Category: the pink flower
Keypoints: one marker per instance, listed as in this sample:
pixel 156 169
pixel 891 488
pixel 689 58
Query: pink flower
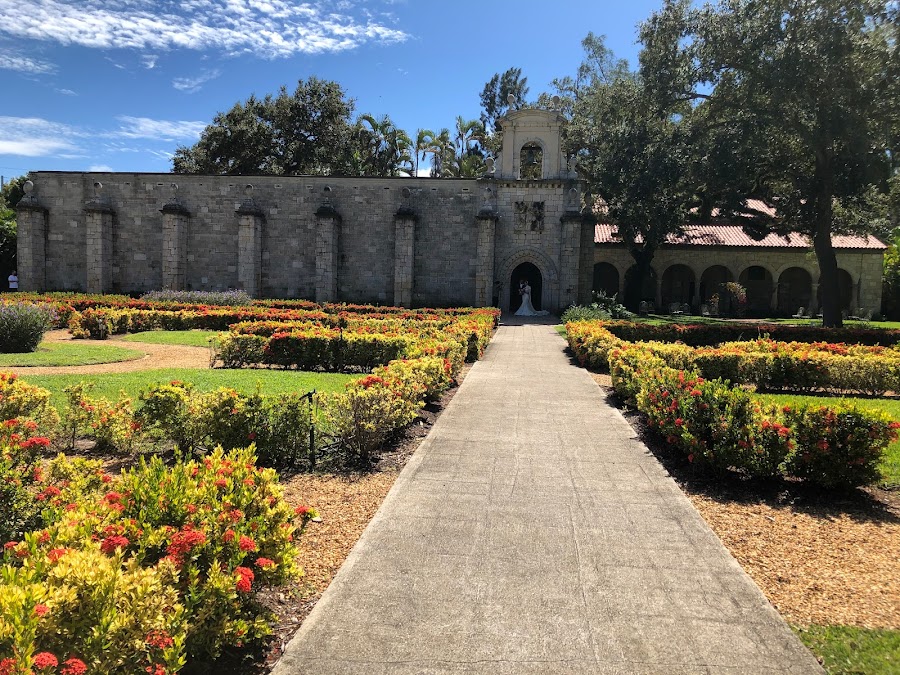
pixel 40 609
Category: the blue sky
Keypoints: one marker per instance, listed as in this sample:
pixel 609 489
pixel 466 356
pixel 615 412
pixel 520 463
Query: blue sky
pixel 118 84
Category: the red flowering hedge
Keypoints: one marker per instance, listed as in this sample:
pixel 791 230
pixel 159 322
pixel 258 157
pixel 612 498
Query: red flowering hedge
pixel 146 571
pixel 723 427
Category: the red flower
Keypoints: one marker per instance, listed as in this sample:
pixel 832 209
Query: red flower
pixel 251 436
pixel 112 498
pixel 245 580
pixel 110 544
pixel 37 441
pixel 264 563
pixel 45 660
pixel 40 609
pixel 696 392
pixel 679 422
pixel 156 669
pixel 228 536
pixel 7 665
pixel 221 483
pixel 159 639
pixel 54 554
pixel 691 457
pixel 190 508
pixel 74 666
pixel 246 543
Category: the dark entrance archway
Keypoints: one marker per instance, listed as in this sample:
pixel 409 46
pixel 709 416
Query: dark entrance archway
pixel 532 274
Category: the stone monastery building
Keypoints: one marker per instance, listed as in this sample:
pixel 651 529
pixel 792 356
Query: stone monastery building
pixel 403 241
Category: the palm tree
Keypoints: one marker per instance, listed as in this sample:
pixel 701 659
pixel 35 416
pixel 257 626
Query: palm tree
pixel 425 143
pixel 469 158
pixel 385 149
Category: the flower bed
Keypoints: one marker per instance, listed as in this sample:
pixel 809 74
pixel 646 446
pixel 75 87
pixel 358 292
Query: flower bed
pixel 765 363
pixel 717 425
pixel 143 572
pixel 698 335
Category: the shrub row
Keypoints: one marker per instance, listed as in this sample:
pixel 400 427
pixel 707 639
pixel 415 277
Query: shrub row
pixel 699 335
pixel 146 571
pixel 765 363
pixel 725 428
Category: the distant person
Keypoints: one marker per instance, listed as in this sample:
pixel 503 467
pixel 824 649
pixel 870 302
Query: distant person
pixel 13 282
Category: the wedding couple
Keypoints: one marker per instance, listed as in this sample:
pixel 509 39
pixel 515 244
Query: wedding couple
pixel 526 308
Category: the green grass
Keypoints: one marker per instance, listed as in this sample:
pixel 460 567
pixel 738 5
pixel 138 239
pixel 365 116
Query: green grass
pixel 69 354
pixel 845 650
pixel 191 338
pixel 272 382
pixel 890 461
pixel 561 329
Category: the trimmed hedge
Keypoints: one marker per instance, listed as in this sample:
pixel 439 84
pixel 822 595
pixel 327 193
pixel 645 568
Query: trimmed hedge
pixel 765 363
pixel 707 335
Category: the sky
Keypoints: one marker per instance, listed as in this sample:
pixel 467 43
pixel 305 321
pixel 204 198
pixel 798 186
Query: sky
pixel 118 85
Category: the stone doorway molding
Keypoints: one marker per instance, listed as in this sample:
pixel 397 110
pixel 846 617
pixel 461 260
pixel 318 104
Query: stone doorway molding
pixel 549 276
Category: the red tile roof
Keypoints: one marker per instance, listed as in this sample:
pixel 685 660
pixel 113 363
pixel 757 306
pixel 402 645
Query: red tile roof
pixel 734 235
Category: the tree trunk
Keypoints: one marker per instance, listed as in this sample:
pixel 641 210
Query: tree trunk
pixel 635 285
pixel 828 269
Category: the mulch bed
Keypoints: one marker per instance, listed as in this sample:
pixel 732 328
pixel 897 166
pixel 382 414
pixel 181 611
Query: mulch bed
pixel 820 557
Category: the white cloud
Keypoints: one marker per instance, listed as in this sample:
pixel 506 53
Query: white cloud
pixel 161 130
pixel 24 64
pixel 67 92
pixel 35 137
pixel 192 85
pixel 104 168
pixel 149 61
pixel 269 28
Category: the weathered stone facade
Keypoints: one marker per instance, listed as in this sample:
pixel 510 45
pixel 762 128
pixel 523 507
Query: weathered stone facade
pixel 410 242
pixel 403 241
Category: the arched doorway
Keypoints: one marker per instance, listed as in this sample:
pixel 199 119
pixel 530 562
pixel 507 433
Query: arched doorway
pixel 648 287
pixel 677 285
pixel 530 273
pixel 794 290
pixel 845 290
pixel 758 282
pixel 606 279
pixel 711 281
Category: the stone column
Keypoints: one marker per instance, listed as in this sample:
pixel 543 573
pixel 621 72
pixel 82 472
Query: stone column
pixel 327 232
pixel 814 299
pixel 586 264
pixel 404 255
pixel 569 259
pixel 174 255
pixel 484 257
pixel 98 218
pixel 251 219
pixel 31 255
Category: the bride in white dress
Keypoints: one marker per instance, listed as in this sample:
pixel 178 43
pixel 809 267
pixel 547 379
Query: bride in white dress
pixel 527 309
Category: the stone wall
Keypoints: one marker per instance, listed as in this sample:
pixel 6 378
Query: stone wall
pixel 407 241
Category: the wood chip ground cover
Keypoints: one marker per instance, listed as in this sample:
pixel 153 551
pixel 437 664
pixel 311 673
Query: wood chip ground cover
pixel 818 558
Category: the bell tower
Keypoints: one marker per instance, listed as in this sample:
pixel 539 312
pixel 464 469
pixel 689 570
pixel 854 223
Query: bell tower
pixel 532 146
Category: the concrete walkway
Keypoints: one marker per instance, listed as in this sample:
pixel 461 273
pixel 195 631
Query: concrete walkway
pixel 533 533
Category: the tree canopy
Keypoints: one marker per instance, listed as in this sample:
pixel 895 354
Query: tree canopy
pixel 799 93
pixel 307 132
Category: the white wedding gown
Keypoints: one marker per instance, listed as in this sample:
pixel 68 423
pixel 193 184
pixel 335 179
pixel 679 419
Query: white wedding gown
pixel 527 309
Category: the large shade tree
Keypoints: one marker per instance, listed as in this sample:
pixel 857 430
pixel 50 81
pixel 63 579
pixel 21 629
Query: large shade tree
pixel 633 154
pixel 307 132
pixel 808 83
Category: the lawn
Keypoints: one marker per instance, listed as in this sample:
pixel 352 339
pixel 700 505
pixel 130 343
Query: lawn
pixel 664 320
pixel 108 385
pixel 191 338
pixel 890 463
pixel 846 650
pixel 69 354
